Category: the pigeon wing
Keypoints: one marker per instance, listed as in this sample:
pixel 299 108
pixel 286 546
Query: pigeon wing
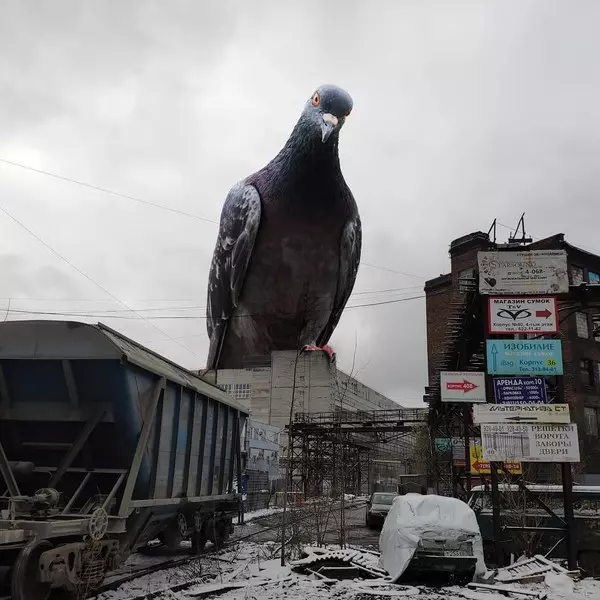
pixel 240 219
pixel 350 247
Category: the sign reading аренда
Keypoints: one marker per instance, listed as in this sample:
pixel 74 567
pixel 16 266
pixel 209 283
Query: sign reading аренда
pixel 520 390
pixel 527 357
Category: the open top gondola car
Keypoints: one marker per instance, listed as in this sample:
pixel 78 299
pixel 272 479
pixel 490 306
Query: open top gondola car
pixel 105 445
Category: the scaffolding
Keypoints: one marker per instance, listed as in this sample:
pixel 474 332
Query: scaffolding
pixel 349 451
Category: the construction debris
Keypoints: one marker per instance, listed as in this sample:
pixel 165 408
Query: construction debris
pixel 339 564
pixel 532 570
pixel 507 590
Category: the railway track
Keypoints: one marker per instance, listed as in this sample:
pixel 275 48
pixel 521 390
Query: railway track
pixel 115 583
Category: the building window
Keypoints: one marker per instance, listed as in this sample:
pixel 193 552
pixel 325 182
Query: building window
pixel 587 373
pixel 576 275
pixel 591 421
pixel 240 391
pixel 593 278
pixel 596 327
pixel 583 329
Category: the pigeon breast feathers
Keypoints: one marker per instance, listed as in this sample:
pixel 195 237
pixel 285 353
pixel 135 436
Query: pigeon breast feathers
pixel 240 220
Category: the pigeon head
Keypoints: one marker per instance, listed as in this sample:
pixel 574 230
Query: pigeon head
pixel 327 110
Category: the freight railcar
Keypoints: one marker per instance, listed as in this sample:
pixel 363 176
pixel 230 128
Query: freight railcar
pixel 105 446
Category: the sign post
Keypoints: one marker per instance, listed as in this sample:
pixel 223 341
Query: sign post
pixel 520 390
pixel 530 443
pixel 523 272
pixel 463 386
pixel 521 413
pixel 524 357
pixel 514 316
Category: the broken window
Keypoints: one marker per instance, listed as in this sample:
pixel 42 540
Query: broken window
pixel 591 421
pixel 583 329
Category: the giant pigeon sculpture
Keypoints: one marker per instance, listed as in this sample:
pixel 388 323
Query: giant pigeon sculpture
pixel 289 244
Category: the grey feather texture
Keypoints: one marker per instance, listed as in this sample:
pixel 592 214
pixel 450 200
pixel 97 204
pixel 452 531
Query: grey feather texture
pixel 289 244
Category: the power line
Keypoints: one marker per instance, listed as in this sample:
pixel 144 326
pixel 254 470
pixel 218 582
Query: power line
pixel 109 312
pixel 158 205
pixel 108 191
pixel 93 315
pixel 83 274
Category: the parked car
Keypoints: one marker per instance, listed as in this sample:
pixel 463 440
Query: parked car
pixel 378 506
pixel 431 536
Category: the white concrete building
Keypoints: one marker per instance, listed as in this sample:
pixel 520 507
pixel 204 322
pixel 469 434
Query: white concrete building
pixel 266 387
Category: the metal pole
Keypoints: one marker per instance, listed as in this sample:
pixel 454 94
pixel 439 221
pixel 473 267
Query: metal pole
pixel 496 514
pixel 466 424
pixel 567 483
pixel 571 534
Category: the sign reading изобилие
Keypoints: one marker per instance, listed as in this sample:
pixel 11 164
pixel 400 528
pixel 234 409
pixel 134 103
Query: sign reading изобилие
pixel 524 357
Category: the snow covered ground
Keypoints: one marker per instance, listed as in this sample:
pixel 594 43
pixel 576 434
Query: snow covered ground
pixel 252 571
pixel 257 514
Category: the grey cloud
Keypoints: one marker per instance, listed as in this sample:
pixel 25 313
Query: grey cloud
pixel 464 111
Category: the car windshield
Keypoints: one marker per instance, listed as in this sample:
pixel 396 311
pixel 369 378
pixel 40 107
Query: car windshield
pixel 383 498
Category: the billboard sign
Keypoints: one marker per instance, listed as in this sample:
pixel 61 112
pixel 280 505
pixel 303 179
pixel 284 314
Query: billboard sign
pixel 523 272
pixel 462 386
pixel 522 315
pixel 482 467
pixel 521 413
pixel 520 390
pixel 443 445
pixel 530 443
pixel 524 357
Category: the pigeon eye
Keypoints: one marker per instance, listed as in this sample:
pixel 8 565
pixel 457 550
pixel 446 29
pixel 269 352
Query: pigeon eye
pixel 316 100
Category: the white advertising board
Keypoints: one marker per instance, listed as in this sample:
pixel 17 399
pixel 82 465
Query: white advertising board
pixel 462 386
pixel 530 443
pixel 522 315
pixel 525 272
pixel 521 413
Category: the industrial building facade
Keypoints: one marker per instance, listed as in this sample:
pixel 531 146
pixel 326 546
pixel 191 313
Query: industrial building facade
pixel 266 387
pixel 455 334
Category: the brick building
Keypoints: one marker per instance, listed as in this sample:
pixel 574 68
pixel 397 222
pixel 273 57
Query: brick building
pixel 450 315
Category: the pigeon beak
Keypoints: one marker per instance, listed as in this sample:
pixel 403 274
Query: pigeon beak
pixel 328 126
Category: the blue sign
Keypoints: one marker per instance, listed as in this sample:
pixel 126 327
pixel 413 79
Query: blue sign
pixel 524 357
pixel 520 390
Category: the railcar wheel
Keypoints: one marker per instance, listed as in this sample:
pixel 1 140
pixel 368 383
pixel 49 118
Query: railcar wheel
pixel 25 584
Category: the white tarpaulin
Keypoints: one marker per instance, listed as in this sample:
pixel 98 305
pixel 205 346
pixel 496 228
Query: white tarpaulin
pixel 413 515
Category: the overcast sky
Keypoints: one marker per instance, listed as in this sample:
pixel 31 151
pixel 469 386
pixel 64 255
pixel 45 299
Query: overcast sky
pixel 463 112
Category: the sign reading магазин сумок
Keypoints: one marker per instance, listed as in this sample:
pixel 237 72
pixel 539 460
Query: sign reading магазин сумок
pixel 522 315
pixel 523 272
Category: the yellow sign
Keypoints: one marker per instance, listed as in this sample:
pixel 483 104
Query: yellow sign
pixel 482 466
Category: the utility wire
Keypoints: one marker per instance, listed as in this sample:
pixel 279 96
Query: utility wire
pixel 116 311
pixel 83 274
pixel 157 205
pixel 107 191
pixel 93 315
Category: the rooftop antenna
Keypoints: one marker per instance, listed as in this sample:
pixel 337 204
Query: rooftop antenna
pixel 524 239
pixel 493 228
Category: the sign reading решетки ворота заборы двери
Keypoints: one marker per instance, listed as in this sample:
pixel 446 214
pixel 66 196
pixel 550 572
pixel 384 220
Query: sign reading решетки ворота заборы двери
pixel 530 443
pixel 523 272
pixel 524 357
